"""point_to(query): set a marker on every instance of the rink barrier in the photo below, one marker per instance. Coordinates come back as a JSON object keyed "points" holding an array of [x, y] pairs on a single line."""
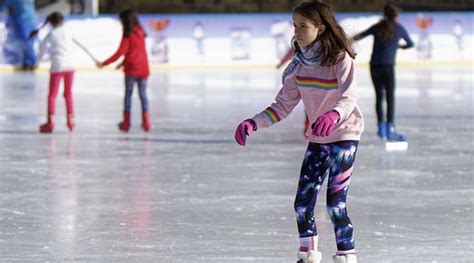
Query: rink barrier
{"points": [[240, 40], [165, 67]]}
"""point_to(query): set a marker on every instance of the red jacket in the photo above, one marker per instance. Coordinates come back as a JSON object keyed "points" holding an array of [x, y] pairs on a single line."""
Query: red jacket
{"points": [[133, 48]]}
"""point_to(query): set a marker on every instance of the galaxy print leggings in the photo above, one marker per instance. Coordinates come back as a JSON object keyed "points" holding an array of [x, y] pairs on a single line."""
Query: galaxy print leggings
{"points": [[334, 160]]}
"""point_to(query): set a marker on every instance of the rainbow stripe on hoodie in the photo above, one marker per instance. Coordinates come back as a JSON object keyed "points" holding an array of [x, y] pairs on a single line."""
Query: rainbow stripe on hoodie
{"points": [[321, 89], [317, 83], [271, 115]]}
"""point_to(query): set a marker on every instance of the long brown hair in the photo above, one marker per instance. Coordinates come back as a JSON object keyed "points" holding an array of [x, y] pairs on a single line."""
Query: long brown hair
{"points": [[129, 20], [334, 41], [387, 24]]}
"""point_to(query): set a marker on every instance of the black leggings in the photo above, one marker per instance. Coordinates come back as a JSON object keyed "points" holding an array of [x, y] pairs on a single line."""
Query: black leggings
{"points": [[383, 77]]}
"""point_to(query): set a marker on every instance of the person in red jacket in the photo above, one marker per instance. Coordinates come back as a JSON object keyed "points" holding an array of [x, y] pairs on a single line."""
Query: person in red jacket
{"points": [[135, 66]]}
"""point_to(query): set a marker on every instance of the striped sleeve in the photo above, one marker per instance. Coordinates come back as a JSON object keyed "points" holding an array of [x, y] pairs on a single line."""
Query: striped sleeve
{"points": [[271, 115], [285, 102]]}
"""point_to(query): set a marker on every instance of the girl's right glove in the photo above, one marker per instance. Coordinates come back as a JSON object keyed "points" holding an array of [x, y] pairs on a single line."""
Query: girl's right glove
{"points": [[244, 129]]}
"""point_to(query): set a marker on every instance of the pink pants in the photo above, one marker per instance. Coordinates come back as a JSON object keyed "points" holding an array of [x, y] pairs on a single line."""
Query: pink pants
{"points": [[54, 81]]}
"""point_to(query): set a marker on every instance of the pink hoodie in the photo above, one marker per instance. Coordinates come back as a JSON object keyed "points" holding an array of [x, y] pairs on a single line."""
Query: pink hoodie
{"points": [[322, 89]]}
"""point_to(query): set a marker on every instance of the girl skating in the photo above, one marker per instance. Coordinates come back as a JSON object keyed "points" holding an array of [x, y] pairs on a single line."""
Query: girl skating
{"points": [[58, 41], [135, 66], [387, 34], [322, 75]]}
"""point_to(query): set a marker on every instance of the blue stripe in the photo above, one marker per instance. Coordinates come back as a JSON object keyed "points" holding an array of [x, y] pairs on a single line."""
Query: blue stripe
{"points": [[316, 86]]}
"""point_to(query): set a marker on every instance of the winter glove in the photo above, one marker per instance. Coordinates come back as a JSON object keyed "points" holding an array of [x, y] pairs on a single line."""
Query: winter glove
{"points": [[244, 129], [325, 124]]}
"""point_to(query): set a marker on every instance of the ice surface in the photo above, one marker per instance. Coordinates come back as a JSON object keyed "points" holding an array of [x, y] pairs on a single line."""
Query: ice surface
{"points": [[185, 192]]}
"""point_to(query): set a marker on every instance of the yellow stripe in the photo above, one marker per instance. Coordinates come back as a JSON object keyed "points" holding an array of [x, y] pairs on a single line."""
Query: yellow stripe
{"points": [[419, 64], [245, 67], [272, 116], [317, 83]]}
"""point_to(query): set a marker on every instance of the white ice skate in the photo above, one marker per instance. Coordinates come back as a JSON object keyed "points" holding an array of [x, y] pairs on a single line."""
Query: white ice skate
{"points": [[349, 258], [309, 257], [395, 141], [396, 146]]}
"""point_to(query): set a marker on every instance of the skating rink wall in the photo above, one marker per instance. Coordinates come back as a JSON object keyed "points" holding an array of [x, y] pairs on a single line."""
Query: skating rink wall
{"points": [[247, 39]]}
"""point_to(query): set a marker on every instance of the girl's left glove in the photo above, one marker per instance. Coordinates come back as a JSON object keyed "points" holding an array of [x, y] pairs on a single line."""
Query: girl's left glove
{"points": [[325, 124], [244, 129]]}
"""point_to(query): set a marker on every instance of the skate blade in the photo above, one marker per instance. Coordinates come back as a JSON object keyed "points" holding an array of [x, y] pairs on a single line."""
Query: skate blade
{"points": [[396, 146]]}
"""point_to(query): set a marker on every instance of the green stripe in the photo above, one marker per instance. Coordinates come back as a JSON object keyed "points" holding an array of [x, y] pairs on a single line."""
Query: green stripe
{"points": [[270, 116], [317, 86]]}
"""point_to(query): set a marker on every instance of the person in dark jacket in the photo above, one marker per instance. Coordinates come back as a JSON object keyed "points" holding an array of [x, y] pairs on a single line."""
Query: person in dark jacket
{"points": [[387, 33]]}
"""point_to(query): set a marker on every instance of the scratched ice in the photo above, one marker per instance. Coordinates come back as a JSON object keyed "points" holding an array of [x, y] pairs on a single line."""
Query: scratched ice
{"points": [[185, 192]]}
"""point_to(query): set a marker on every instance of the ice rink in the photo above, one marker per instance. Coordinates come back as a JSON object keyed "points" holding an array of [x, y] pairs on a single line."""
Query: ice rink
{"points": [[186, 192]]}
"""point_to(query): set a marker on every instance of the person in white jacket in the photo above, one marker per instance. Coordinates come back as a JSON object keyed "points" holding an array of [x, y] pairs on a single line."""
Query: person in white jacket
{"points": [[58, 43]]}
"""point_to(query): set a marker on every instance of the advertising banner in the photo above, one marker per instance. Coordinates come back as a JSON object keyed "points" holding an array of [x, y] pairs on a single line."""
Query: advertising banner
{"points": [[246, 39]]}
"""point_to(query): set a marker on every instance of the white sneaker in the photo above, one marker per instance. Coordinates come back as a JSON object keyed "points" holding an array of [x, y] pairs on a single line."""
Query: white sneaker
{"points": [[309, 257], [349, 258]]}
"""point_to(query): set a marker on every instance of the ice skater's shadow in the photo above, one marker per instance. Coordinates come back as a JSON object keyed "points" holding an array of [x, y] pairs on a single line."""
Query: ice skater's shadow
{"points": [[206, 141], [150, 138], [171, 140], [28, 132]]}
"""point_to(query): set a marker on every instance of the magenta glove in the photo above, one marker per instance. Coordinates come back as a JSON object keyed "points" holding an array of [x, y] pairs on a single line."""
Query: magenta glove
{"points": [[324, 125], [244, 129]]}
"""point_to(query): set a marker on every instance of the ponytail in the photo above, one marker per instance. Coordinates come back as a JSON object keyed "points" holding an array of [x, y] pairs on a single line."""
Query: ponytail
{"points": [[54, 19], [387, 24], [36, 31], [386, 30]]}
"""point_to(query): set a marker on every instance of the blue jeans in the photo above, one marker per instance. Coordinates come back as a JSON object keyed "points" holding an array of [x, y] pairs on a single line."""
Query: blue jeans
{"points": [[129, 83], [334, 160]]}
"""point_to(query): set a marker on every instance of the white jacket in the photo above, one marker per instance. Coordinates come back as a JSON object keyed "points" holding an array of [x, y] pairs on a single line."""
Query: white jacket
{"points": [[58, 43]]}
